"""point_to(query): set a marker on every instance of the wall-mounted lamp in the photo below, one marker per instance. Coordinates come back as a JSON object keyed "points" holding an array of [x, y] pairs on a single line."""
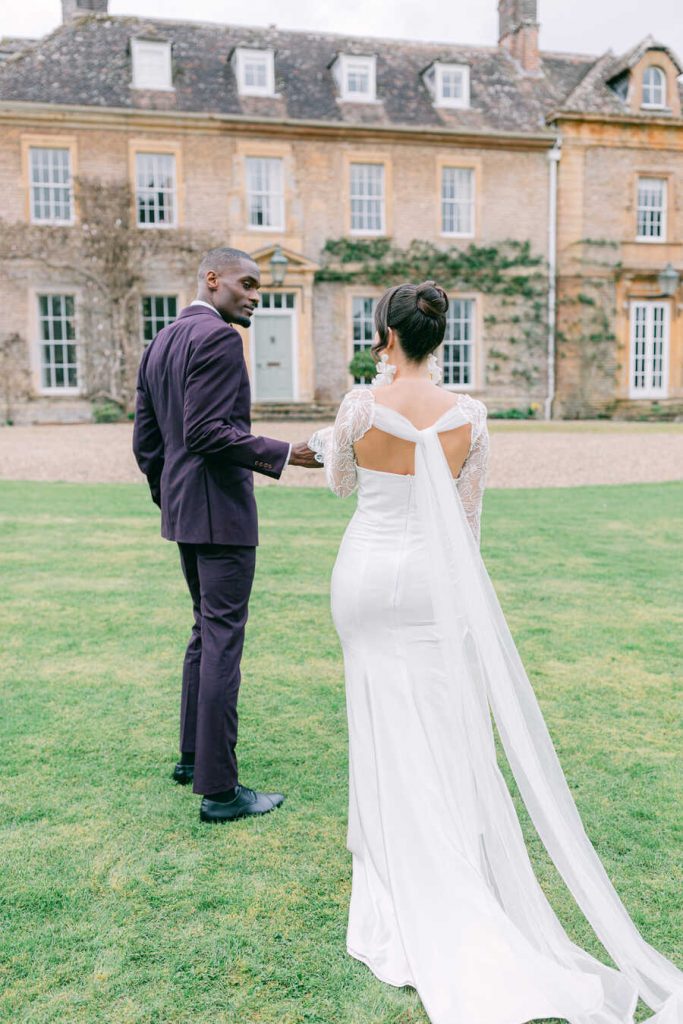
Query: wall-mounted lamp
{"points": [[279, 264], [668, 280]]}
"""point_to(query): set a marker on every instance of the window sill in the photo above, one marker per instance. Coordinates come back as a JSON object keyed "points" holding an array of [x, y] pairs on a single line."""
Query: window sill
{"points": [[361, 233], [651, 241], [53, 223], [458, 234], [152, 88], [157, 227], [61, 392], [650, 396], [266, 227]]}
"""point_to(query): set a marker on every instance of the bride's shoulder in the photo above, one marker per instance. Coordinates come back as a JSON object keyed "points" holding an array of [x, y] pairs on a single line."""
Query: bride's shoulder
{"points": [[472, 405], [358, 397]]}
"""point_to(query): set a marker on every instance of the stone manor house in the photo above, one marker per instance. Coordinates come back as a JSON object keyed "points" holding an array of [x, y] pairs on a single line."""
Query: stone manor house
{"points": [[544, 190]]}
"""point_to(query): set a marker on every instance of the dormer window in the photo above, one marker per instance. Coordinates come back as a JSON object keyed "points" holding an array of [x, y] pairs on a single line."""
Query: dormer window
{"points": [[356, 78], [449, 84], [654, 87], [255, 71], [452, 85], [151, 65]]}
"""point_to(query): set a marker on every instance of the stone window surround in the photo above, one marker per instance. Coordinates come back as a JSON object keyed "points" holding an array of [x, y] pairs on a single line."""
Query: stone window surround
{"points": [[276, 150], [54, 141], [368, 157], [464, 162], [275, 197], [34, 292], [163, 147], [669, 205]]}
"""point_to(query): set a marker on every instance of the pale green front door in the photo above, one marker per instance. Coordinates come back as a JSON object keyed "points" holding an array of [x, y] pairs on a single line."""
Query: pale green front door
{"points": [[273, 357]]}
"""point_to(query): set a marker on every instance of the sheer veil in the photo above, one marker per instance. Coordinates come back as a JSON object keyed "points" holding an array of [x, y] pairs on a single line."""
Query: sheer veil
{"points": [[488, 677]]}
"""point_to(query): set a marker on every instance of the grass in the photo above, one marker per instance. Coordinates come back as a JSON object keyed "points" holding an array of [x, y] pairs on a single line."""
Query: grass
{"points": [[120, 907]]}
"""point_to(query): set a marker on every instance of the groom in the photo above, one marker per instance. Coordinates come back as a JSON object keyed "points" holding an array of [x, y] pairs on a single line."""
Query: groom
{"points": [[193, 441]]}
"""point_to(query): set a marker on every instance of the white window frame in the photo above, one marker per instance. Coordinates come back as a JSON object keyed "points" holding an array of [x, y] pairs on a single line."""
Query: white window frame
{"points": [[51, 186], [357, 345], [459, 205], [355, 196], [461, 102], [165, 319], [158, 78], [348, 63], [661, 86], [53, 389], [662, 210], [156, 190], [264, 58], [271, 196], [470, 343], [642, 348]]}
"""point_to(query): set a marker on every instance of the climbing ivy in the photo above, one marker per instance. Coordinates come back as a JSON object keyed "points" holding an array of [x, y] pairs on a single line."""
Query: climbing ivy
{"points": [[512, 277]]}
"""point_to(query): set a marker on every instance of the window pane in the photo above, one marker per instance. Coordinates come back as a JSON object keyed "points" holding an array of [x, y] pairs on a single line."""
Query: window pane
{"points": [[157, 311], [363, 326], [651, 207], [57, 324], [458, 348], [155, 189], [265, 197], [50, 185], [457, 201], [367, 198]]}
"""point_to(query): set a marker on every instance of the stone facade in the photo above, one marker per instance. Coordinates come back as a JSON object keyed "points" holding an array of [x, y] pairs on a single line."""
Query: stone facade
{"points": [[520, 102]]}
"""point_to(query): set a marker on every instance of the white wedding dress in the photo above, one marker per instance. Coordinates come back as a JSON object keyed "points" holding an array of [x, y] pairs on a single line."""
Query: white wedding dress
{"points": [[444, 896]]}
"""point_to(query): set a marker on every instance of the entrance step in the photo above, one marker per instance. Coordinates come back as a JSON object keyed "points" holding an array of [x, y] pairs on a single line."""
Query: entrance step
{"points": [[294, 411]]}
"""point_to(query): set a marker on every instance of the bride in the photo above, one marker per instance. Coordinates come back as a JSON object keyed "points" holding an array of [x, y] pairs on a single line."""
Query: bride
{"points": [[444, 897]]}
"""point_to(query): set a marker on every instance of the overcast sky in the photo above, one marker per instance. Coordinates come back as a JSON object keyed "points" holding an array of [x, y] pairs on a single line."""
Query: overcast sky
{"points": [[580, 26]]}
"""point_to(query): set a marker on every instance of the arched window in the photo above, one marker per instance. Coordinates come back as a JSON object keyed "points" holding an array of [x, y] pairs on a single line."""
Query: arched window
{"points": [[654, 87]]}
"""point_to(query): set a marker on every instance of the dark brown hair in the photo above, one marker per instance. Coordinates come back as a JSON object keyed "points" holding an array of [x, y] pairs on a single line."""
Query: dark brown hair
{"points": [[417, 312]]}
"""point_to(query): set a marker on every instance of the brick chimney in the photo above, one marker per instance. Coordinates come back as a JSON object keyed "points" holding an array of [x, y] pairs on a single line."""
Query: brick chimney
{"points": [[79, 8], [518, 32]]}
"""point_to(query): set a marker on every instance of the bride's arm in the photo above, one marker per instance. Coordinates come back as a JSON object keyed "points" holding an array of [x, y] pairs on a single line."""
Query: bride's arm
{"points": [[334, 445], [472, 479]]}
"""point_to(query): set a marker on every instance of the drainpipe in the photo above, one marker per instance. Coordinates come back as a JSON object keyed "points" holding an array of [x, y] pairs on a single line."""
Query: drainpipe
{"points": [[553, 160]]}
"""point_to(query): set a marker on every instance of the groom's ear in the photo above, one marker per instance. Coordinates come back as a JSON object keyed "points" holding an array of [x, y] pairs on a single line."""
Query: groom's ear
{"points": [[212, 279]]}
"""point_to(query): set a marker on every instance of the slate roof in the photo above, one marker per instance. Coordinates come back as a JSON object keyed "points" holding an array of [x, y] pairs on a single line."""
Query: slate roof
{"points": [[87, 62], [9, 45]]}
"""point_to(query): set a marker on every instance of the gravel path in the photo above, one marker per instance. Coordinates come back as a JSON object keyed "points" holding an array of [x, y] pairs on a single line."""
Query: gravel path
{"points": [[523, 454]]}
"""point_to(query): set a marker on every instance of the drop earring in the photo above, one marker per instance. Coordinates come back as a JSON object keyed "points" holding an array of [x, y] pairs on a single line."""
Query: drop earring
{"points": [[435, 372], [386, 371]]}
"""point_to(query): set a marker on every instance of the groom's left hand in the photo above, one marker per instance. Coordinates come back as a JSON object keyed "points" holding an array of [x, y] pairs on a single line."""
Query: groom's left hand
{"points": [[302, 455]]}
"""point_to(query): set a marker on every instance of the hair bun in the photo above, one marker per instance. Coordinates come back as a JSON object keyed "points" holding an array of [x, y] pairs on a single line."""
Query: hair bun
{"points": [[431, 299]]}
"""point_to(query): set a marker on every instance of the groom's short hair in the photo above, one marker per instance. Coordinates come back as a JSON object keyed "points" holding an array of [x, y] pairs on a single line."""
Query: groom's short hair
{"points": [[220, 258]]}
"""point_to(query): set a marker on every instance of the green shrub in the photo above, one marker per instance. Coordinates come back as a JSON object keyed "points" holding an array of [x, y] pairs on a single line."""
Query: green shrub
{"points": [[362, 364], [515, 414], [107, 412]]}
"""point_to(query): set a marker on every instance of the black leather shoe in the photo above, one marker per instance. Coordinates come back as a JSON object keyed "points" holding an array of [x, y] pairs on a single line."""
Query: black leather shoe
{"points": [[245, 803], [183, 773]]}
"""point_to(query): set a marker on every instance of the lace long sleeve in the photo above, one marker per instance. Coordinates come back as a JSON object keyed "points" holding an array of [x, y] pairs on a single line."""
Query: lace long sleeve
{"points": [[472, 479], [334, 445]]}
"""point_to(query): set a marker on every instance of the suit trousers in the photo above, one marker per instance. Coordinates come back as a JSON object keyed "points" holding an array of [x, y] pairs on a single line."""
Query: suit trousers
{"points": [[219, 578]]}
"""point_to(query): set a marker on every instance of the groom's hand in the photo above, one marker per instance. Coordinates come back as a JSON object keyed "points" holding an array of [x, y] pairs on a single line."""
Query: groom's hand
{"points": [[302, 455]]}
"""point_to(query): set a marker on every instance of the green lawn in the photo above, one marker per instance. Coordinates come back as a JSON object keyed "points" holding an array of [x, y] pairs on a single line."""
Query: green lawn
{"points": [[119, 906]]}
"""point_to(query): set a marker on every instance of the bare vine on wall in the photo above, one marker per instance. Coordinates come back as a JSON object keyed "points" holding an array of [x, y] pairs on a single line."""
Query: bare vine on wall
{"points": [[108, 258], [586, 324], [15, 378], [513, 279]]}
